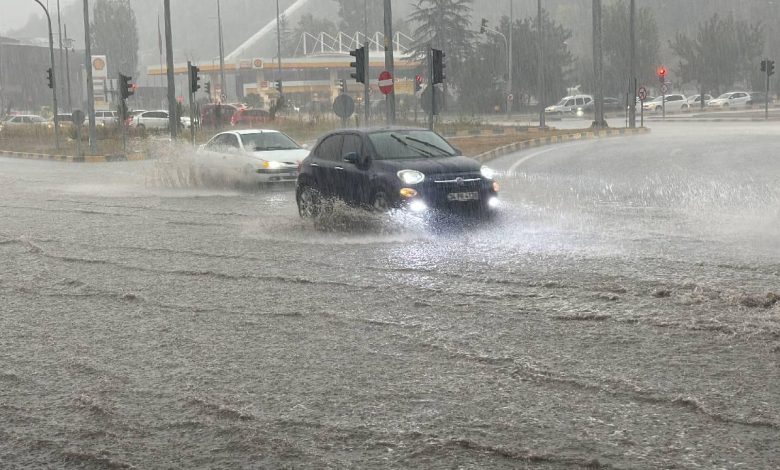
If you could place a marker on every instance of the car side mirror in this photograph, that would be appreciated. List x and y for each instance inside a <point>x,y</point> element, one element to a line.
<point>352,157</point>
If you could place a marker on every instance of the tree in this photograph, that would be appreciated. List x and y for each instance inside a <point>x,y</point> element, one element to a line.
<point>354,13</point>
<point>114,34</point>
<point>445,25</point>
<point>616,47</point>
<point>724,52</point>
<point>308,23</point>
<point>288,39</point>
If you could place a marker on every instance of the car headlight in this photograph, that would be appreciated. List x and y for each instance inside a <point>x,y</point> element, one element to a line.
<point>271,165</point>
<point>487,172</point>
<point>411,176</point>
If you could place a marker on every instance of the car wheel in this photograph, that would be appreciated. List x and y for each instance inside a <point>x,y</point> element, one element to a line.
<point>309,202</point>
<point>380,202</point>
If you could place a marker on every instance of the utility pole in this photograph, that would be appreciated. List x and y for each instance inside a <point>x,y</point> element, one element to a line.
<point>90,84</point>
<point>67,68</point>
<point>279,55</point>
<point>222,87</point>
<point>53,79</point>
<point>509,59</point>
<point>390,98</point>
<point>431,87</point>
<point>59,31</point>
<point>632,64</point>
<point>540,73</point>
<point>367,81</point>
<point>597,66</point>
<point>173,111</point>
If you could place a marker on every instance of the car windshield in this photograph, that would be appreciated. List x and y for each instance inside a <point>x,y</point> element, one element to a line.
<point>724,96</point>
<point>405,144</point>
<point>260,141</point>
<point>563,101</point>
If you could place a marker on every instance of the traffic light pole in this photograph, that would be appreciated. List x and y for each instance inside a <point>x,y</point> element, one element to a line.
<point>190,86</point>
<point>389,66</point>
<point>173,118</point>
<point>432,88</point>
<point>367,84</point>
<point>53,79</point>
<point>90,83</point>
<point>766,100</point>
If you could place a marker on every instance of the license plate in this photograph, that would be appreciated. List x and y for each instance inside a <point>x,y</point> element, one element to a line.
<point>467,196</point>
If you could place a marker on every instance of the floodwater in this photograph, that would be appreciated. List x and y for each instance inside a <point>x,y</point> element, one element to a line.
<point>623,311</point>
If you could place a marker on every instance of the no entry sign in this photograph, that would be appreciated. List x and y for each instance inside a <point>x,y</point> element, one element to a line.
<point>385,82</point>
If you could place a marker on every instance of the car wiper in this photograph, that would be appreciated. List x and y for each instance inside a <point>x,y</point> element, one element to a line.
<point>440,149</point>
<point>406,144</point>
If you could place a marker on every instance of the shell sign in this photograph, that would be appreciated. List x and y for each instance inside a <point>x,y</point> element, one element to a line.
<point>257,63</point>
<point>99,69</point>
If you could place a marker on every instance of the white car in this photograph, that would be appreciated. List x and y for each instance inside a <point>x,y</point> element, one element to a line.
<point>568,105</point>
<point>694,102</point>
<point>252,155</point>
<point>106,118</point>
<point>674,103</point>
<point>731,99</point>
<point>156,120</point>
<point>21,120</point>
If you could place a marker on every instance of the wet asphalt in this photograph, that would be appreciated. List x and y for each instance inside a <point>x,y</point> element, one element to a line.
<point>622,311</point>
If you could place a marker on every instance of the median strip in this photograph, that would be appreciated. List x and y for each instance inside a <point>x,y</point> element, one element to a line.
<point>72,159</point>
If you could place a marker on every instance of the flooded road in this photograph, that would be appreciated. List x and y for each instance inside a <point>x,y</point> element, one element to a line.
<point>622,312</point>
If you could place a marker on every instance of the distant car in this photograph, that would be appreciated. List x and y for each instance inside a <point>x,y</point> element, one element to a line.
<point>694,101</point>
<point>758,98</point>
<point>250,117</point>
<point>212,114</point>
<point>674,103</point>
<point>22,120</point>
<point>65,120</point>
<point>254,155</point>
<point>155,120</point>
<point>610,105</point>
<point>732,99</point>
<point>568,105</point>
<point>106,118</point>
<point>383,169</point>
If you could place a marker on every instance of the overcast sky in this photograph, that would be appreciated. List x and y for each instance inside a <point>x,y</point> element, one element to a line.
<point>14,13</point>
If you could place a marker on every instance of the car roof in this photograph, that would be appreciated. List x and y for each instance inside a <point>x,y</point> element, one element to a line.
<point>252,131</point>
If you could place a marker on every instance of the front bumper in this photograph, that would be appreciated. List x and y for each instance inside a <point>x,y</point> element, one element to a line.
<point>471,195</point>
<point>276,175</point>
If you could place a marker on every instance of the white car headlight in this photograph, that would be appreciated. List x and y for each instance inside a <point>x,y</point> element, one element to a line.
<point>411,176</point>
<point>487,172</point>
<point>271,165</point>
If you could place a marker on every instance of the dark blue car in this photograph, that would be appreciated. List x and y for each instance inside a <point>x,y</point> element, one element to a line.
<point>393,168</point>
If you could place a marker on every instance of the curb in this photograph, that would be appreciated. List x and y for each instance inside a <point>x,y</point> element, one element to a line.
<point>556,139</point>
<point>72,159</point>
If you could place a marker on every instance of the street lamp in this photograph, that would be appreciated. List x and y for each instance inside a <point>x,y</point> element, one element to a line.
<point>485,29</point>
<point>53,79</point>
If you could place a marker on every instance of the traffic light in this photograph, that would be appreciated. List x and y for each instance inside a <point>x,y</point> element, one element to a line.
<point>359,64</point>
<point>194,78</point>
<point>438,66</point>
<point>207,88</point>
<point>125,87</point>
<point>483,27</point>
<point>50,77</point>
<point>763,65</point>
<point>278,86</point>
<point>661,72</point>
<point>417,83</point>
<point>770,67</point>
<point>343,85</point>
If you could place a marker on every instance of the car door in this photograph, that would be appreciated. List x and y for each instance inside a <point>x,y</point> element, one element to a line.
<point>356,180</point>
<point>326,165</point>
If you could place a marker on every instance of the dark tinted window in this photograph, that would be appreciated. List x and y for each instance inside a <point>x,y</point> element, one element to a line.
<point>330,148</point>
<point>352,143</point>
<point>402,144</point>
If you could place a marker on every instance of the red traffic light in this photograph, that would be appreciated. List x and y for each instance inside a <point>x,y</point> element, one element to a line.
<point>661,72</point>
<point>418,78</point>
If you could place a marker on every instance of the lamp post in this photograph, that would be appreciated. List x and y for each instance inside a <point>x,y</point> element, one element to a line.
<point>508,62</point>
<point>53,79</point>
<point>279,53</point>
<point>222,86</point>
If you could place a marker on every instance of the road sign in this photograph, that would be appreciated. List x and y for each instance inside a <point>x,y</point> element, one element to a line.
<point>343,106</point>
<point>385,82</point>
<point>642,93</point>
<point>664,88</point>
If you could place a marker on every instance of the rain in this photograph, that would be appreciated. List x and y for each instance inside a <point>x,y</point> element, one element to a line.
<point>579,270</point>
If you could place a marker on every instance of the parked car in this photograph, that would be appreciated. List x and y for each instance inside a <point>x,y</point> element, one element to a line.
<point>21,120</point>
<point>694,101</point>
<point>389,168</point>
<point>212,114</point>
<point>250,117</point>
<point>65,120</point>
<point>758,98</point>
<point>568,105</point>
<point>255,155</point>
<point>155,120</point>
<point>674,103</point>
<point>731,99</point>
